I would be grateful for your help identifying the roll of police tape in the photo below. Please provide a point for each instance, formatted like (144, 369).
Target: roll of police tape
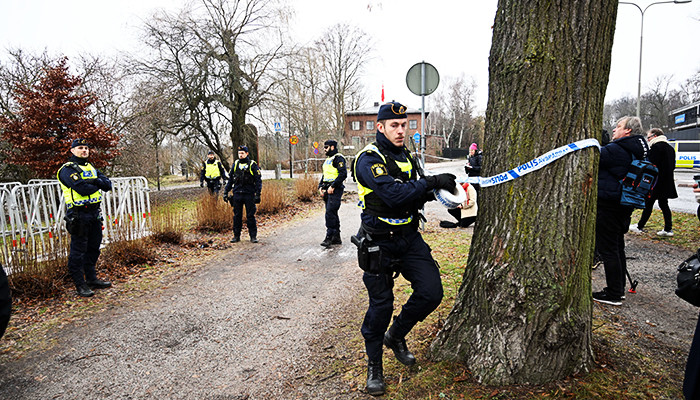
(453, 198)
(533, 165)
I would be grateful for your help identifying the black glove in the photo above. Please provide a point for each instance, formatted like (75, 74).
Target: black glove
(257, 198)
(201, 184)
(441, 181)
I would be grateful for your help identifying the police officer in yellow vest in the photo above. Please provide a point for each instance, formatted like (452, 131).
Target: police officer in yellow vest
(81, 184)
(212, 173)
(391, 195)
(331, 188)
(245, 185)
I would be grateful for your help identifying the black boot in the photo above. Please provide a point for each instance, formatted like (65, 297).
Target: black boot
(336, 239)
(398, 346)
(84, 291)
(375, 378)
(99, 284)
(236, 239)
(327, 241)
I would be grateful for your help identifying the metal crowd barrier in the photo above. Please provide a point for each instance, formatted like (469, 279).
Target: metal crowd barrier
(31, 216)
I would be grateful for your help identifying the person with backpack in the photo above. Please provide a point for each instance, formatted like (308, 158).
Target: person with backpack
(613, 219)
(663, 156)
(245, 183)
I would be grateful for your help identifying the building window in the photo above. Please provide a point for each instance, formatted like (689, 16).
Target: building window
(369, 125)
(355, 125)
(412, 124)
(356, 142)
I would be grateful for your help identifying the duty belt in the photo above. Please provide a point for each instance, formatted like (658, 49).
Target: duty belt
(393, 232)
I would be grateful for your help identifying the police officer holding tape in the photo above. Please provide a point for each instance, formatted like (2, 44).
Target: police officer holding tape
(81, 184)
(331, 188)
(245, 180)
(212, 173)
(391, 195)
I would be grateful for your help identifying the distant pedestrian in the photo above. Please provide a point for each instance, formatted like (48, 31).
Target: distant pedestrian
(663, 156)
(331, 188)
(473, 167)
(613, 219)
(81, 184)
(212, 173)
(465, 213)
(245, 183)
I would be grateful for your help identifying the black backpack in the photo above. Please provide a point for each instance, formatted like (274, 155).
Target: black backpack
(688, 280)
(638, 183)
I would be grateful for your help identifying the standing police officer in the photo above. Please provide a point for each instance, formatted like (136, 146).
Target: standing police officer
(391, 194)
(331, 188)
(212, 172)
(246, 181)
(81, 184)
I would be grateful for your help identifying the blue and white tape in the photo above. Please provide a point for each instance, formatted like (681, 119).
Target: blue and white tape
(534, 164)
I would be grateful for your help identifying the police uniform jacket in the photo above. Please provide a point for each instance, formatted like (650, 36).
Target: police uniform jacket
(244, 178)
(74, 178)
(338, 162)
(203, 174)
(615, 159)
(371, 171)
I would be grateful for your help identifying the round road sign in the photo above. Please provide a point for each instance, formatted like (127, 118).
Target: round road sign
(294, 139)
(413, 79)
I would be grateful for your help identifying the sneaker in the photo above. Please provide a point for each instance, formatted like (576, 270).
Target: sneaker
(635, 229)
(604, 297)
(664, 233)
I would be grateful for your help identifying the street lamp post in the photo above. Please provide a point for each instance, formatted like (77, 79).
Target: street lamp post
(641, 38)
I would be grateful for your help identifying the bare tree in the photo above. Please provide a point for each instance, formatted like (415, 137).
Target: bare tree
(691, 88)
(523, 312)
(344, 50)
(658, 102)
(218, 56)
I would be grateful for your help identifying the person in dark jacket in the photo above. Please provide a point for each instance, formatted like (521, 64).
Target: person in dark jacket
(245, 183)
(663, 156)
(331, 188)
(613, 219)
(391, 194)
(212, 173)
(82, 186)
(5, 302)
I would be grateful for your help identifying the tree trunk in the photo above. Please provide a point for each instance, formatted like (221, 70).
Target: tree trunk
(523, 312)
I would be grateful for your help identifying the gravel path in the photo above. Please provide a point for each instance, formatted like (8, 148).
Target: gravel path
(238, 328)
(241, 326)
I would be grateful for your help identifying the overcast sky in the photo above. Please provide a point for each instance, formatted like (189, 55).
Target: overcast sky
(454, 36)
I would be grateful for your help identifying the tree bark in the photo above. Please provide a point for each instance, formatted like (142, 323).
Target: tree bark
(523, 312)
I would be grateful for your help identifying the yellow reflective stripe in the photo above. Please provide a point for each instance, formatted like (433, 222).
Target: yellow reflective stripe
(396, 221)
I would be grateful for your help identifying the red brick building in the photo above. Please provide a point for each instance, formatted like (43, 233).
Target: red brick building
(361, 128)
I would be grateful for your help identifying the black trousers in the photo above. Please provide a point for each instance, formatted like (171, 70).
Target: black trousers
(462, 222)
(213, 185)
(665, 210)
(419, 268)
(612, 222)
(85, 246)
(5, 302)
(332, 207)
(691, 383)
(239, 201)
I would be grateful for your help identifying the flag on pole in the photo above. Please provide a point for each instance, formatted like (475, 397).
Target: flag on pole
(382, 93)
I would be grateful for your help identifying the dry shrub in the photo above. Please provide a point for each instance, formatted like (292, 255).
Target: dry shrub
(125, 251)
(39, 279)
(213, 214)
(273, 197)
(306, 188)
(168, 226)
